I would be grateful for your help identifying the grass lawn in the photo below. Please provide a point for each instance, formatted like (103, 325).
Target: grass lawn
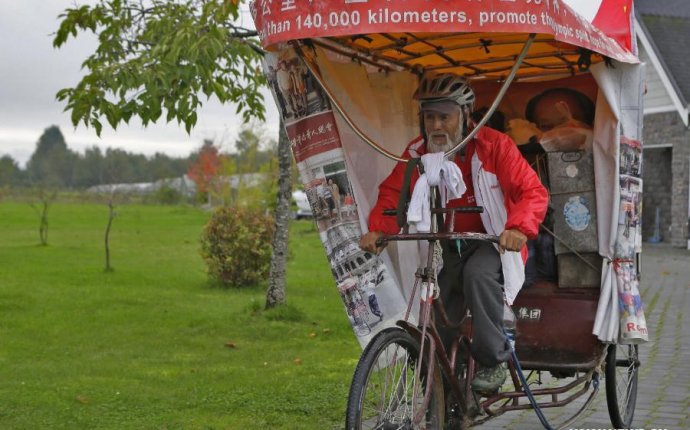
(152, 345)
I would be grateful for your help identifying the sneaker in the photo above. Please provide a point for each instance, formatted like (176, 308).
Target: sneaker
(489, 379)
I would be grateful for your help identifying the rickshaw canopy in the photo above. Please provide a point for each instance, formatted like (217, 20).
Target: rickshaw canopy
(479, 39)
(343, 71)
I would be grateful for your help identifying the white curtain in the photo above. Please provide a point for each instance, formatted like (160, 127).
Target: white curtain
(381, 105)
(618, 113)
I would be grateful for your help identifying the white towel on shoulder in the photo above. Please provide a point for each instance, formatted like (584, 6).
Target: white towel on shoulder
(437, 172)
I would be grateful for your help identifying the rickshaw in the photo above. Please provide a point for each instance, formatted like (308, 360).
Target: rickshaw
(364, 58)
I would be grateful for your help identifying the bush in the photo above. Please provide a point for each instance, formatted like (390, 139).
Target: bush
(236, 246)
(167, 195)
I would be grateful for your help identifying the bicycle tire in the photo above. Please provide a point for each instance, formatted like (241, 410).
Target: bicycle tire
(380, 395)
(622, 369)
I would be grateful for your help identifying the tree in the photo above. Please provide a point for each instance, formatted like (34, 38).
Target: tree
(247, 144)
(255, 154)
(205, 168)
(45, 198)
(111, 217)
(52, 163)
(276, 281)
(89, 168)
(155, 56)
(162, 166)
(10, 173)
(120, 167)
(253, 148)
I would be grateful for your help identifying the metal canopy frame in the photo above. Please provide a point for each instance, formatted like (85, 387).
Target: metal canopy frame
(473, 55)
(386, 64)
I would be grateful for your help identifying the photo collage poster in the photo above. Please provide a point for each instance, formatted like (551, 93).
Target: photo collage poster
(633, 326)
(370, 296)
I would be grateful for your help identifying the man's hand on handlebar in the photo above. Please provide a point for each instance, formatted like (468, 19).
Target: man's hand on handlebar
(368, 242)
(511, 240)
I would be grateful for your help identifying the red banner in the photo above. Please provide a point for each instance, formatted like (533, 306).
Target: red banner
(284, 20)
(313, 135)
(615, 19)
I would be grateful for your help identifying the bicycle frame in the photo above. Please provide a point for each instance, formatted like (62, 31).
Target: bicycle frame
(431, 346)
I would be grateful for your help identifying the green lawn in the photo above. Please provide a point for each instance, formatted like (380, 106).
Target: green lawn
(150, 345)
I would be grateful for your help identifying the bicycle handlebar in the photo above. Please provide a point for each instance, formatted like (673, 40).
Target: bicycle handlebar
(436, 236)
(462, 209)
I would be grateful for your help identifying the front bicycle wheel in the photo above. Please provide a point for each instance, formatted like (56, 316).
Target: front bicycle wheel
(385, 392)
(622, 368)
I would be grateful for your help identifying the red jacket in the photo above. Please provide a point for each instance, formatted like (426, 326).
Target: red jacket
(525, 197)
(503, 183)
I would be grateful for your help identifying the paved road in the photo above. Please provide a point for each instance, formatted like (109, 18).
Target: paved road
(663, 398)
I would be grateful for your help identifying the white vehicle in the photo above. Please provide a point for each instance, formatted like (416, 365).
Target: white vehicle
(303, 209)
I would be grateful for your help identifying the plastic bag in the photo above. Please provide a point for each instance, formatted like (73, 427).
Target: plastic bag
(567, 138)
(564, 134)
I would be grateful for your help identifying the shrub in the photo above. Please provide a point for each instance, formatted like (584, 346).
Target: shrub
(167, 195)
(236, 246)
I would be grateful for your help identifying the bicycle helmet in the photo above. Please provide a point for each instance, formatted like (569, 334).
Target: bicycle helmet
(445, 86)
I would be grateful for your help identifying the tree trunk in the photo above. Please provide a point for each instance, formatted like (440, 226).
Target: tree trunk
(276, 283)
(111, 215)
(45, 199)
(43, 229)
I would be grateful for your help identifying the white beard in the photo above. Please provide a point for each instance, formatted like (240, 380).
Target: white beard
(447, 146)
(433, 147)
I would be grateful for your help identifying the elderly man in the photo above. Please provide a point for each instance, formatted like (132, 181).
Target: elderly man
(476, 275)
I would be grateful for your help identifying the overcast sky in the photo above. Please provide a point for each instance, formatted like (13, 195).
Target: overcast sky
(32, 71)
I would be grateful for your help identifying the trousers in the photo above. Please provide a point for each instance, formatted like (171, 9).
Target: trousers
(472, 278)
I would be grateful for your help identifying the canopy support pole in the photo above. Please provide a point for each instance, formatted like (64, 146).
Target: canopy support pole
(497, 100)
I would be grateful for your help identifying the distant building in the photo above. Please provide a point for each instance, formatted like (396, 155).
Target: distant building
(248, 180)
(663, 34)
(183, 184)
(134, 188)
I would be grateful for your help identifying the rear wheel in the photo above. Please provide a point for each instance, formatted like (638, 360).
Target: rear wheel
(385, 393)
(622, 368)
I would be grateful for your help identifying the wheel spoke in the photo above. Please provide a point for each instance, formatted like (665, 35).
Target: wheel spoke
(626, 376)
(622, 374)
(391, 403)
(394, 400)
(390, 393)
